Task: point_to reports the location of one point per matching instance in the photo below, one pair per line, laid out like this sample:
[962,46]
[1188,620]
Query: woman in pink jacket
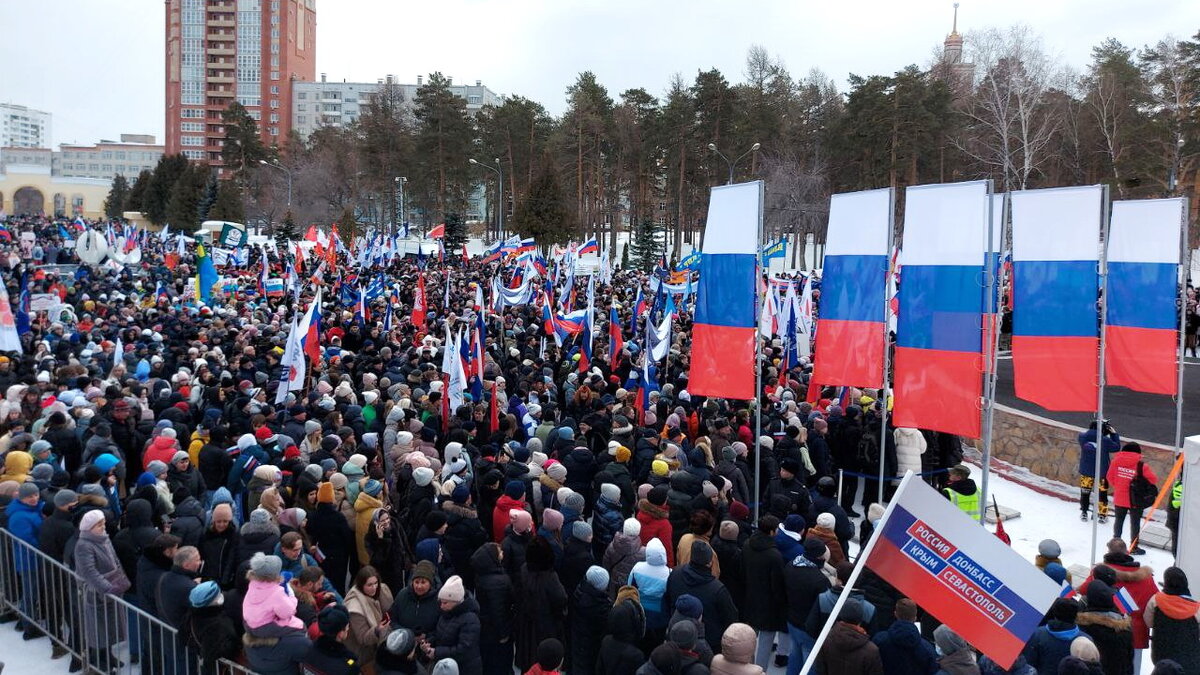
[269,609]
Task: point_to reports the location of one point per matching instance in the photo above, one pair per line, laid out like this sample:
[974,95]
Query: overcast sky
[97,65]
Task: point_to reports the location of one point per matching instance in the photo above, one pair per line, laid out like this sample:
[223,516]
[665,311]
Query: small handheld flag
[1125,602]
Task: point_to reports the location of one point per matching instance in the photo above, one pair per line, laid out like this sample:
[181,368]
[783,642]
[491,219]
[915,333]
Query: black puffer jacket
[495,595]
[719,610]
[619,654]
[219,551]
[464,535]
[188,523]
[588,620]
[457,637]
[416,613]
[766,594]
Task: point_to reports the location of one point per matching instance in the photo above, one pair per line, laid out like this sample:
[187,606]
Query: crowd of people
[579,519]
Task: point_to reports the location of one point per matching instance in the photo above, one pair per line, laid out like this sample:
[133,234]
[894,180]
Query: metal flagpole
[1105,219]
[848,587]
[1183,272]
[882,399]
[992,309]
[758,360]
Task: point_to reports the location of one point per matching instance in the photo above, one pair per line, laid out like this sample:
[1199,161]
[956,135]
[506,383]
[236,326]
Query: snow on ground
[1042,517]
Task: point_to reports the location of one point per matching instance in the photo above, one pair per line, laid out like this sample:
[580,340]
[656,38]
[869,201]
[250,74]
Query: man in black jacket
[329,655]
[175,586]
[56,531]
[765,608]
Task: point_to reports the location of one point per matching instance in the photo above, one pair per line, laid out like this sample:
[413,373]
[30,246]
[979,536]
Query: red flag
[494,411]
[418,311]
[437,232]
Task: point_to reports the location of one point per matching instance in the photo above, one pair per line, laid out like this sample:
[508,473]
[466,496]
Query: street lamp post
[289,177]
[400,214]
[499,193]
[1173,179]
[753,148]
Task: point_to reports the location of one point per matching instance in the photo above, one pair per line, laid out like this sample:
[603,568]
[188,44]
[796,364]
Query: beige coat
[365,614]
[737,652]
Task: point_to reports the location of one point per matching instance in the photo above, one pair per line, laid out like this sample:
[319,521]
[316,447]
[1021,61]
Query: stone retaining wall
[1050,449]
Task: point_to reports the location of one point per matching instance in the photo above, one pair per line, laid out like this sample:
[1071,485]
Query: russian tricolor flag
[1142,291]
[1056,334]
[850,331]
[1125,602]
[725,324]
[589,246]
[938,374]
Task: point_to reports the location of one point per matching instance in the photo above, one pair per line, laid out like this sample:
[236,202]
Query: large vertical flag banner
[938,373]
[960,572]
[850,339]
[991,320]
[1056,285]
[1142,313]
[723,334]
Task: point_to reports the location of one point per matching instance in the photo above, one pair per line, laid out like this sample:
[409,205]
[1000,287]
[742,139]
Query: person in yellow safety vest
[1173,513]
[962,491]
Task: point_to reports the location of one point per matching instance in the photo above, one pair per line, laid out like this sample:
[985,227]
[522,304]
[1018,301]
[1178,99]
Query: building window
[107,154]
[302,95]
[257,115]
[193,154]
[474,100]
[662,206]
[93,167]
[275,89]
[302,107]
[274,103]
[194,113]
[662,220]
[274,131]
[302,119]
[191,126]
[120,154]
[191,140]
[274,75]
[107,168]
[274,117]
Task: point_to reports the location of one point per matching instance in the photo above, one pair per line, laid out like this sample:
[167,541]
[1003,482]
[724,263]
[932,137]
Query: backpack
[868,450]
[1142,492]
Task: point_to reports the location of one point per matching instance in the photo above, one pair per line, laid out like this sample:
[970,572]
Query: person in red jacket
[162,447]
[513,498]
[1121,472]
[654,515]
[1120,570]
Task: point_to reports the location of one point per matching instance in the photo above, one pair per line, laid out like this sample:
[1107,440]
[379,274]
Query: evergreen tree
[210,196]
[444,140]
[644,247]
[158,192]
[456,232]
[183,207]
[228,204]
[286,231]
[136,197]
[243,147]
[347,226]
[118,194]
[543,213]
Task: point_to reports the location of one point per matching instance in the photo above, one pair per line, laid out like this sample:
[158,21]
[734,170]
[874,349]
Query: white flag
[292,372]
[10,341]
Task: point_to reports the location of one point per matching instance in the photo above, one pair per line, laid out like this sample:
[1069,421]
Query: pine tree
[445,137]
[136,196]
[210,196]
[158,192]
[228,204]
[286,231]
[183,207]
[118,194]
[644,247]
[543,213]
[347,226]
[243,148]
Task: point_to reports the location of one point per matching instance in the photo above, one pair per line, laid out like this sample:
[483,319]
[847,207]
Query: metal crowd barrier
[104,633]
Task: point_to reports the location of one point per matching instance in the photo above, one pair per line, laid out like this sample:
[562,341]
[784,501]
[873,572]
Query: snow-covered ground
[1042,517]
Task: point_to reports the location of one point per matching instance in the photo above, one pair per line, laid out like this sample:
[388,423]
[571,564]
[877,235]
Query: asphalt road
[1145,417]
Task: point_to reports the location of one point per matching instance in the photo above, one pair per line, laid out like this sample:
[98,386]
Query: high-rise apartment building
[221,51]
[22,127]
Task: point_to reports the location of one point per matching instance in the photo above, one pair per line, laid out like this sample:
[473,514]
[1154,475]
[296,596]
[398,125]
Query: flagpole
[758,364]
[882,399]
[992,309]
[848,587]
[1105,220]
[1183,261]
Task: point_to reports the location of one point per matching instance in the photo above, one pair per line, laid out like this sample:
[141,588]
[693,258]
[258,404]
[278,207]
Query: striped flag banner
[1056,332]
[1142,290]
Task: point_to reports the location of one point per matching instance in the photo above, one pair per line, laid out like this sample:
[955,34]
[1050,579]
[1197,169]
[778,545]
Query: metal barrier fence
[101,632]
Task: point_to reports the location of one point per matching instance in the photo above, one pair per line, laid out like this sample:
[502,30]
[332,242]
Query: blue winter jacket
[1087,452]
[1049,645]
[24,522]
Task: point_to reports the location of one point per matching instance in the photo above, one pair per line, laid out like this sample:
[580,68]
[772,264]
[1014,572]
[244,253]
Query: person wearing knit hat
[333,622]
[548,657]
[729,530]
[632,527]
[557,471]
[422,476]
[65,499]
[552,520]
[373,487]
[521,521]
[582,531]
[514,489]
[598,577]
[660,468]
[446,666]
[955,654]
[205,594]
[451,593]
[265,567]
[658,495]
[623,455]
[325,493]
[90,519]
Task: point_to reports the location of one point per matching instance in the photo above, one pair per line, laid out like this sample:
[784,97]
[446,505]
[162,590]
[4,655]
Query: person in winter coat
[962,491]
[188,521]
[654,515]
[329,654]
[700,528]
[696,579]
[577,557]
[517,536]
[824,529]
[737,652]
[1121,473]
[370,499]
[333,536]
[901,647]
[415,607]
[765,608]
[208,630]
[804,582]
[1049,552]
[367,602]
[457,634]
[1173,616]
[957,658]
[1131,575]
[541,602]
[625,551]
[650,579]
[218,546]
[607,519]
[97,565]
[397,655]
[1110,630]
[258,535]
[1051,643]
[183,476]
[729,558]
[848,650]
[910,445]
[513,498]
[619,652]
[824,500]
[465,533]
[497,598]
[24,516]
[823,607]
[587,619]
[1110,444]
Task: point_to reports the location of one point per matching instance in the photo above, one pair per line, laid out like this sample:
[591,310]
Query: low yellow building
[28,189]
